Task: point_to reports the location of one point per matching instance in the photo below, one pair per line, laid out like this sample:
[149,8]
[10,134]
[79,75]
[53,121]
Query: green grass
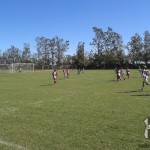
[79,113]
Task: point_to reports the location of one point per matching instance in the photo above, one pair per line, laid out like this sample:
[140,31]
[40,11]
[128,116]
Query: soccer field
[90,111]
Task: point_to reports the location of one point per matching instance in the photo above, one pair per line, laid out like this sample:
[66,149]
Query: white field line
[18,147]
[9,110]
[35,103]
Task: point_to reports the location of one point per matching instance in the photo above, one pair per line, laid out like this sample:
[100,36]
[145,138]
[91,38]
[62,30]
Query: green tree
[80,55]
[108,46]
[135,48]
[61,47]
[1,57]
[146,47]
[113,48]
[12,55]
[51,51]
[98,40]
[26,54]
[67,60]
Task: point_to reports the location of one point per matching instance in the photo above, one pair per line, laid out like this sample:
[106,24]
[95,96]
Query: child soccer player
[68,72]
[20,69]
[122,74]
[78,71]
[145,77]
[128,72]
[141,71]
[118,74]
[65,73]
[54,74]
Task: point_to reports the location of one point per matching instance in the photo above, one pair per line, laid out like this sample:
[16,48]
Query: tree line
[107,51]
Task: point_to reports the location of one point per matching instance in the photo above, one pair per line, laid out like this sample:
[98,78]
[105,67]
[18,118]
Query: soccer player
[141,71]
[54,75]
[78,71]
[122,73]
[82,70]
[20,69]
[145,77]
[118,74]
[68,72]
[128,72]
[65,73]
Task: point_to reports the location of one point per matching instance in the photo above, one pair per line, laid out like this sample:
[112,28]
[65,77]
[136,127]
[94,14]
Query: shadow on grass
[46,85]
[141,95]
[129,91]
[144,145]
[112,81]
[136,77]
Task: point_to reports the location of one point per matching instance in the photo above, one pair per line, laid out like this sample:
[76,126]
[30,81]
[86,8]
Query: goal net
[16,67]
[50,67]
[46,67]
[5,67]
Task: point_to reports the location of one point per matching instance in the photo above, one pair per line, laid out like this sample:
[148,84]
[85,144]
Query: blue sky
[21,21]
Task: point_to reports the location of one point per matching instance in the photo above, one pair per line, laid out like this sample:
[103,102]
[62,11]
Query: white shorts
[145,79]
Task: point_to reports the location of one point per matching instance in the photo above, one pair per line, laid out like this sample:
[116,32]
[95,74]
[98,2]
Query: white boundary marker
[18,147]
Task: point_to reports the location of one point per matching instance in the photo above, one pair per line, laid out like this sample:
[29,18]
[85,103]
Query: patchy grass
[90,111]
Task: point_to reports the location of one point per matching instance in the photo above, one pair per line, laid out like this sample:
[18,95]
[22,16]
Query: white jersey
[118,72]
[65,73]
[122,72]
[145,75]
[128,71]
[54,75]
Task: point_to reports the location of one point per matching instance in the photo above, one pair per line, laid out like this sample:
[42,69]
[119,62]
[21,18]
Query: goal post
[16,67]
[47,67]
[5,67]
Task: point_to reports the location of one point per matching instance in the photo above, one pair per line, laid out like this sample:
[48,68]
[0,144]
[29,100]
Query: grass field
[80,113]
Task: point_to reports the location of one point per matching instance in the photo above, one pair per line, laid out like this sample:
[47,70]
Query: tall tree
[135,48]
[26,54]
[109,47]
[98,40]
[67,60]
[98,43]
[61,47]
[52,50]
[113,47]
[12,55]
[43,49]
[146,47]
[80,55]
[1,57]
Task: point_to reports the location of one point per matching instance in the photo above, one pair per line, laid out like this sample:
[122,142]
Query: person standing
[54,75]
[118,74]
[145,77]
[128,72]
[65,73]
[122,74]
[68,72]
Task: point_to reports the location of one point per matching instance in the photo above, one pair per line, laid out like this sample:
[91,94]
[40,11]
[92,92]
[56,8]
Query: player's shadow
[141,95]
[136,77]
[144,146]
[46,84]
[129,91]
[112,80]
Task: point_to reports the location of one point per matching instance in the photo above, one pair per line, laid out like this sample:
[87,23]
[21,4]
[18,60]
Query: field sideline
[90,111]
